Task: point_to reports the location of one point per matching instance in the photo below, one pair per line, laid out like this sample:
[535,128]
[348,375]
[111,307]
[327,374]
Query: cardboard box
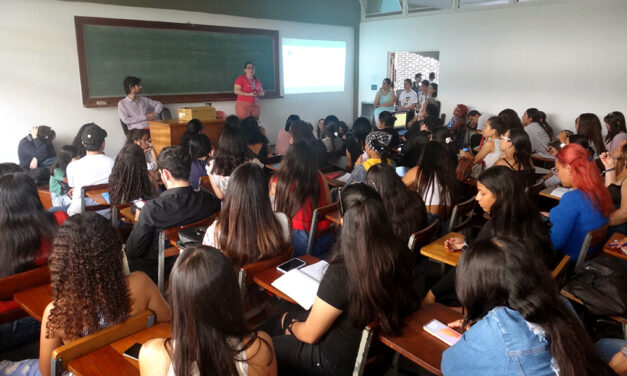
[200,113]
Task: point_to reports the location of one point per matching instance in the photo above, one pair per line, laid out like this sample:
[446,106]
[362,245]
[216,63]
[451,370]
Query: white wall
[40,84]
[564,58]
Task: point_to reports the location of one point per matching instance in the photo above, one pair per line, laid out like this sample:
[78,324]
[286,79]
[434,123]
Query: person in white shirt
[135,111]
[432,77]
[424,93]
[93,168]
[407,99]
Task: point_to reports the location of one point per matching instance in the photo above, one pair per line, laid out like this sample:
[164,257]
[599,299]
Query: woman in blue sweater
[586,208]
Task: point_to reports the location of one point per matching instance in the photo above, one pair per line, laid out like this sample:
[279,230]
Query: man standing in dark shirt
[178,205]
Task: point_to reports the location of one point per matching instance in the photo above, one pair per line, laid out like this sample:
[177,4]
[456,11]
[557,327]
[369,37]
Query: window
[479,3]
[407,64]
[382,7]
[428,5]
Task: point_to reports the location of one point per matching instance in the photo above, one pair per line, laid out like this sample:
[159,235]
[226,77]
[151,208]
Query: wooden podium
[168,132]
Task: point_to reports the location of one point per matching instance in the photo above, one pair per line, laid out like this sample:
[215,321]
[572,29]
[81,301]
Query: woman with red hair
[583,209]
[457,124]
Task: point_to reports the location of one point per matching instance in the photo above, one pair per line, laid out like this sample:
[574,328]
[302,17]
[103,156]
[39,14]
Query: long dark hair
[290,119]
[194,126]
[499,273]
[405,207]
[231,152]
[199,146]
[616,121]
[65,156]
[78,140]
[510,118]
[250,127]
[387,119]
[87,274]
[203,281]
[540,117]
[297,180]
[249,231]
[379,277]
[514,215]
[129,176]
[302,131]
[435,163]
[24,224]
[331,129]
[590,126]
[522,153]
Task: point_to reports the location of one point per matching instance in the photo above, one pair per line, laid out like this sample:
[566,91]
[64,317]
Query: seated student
[8,168]
[586,208]
[78,140]
[386,124]
[511,119]
[255,137]
[615,175]
[90,288]
[36,150]
[377,148]
[199,148]
[434,179]
[516,149]
[512,214]
[58,187]
[356,141]
[516,322]
[457,124]
[302,131]
[331,136]
[587,125]
[231,152]
[246,230]
[406,209]
[178,205]
[539,131]
[194,127]
[342,130]
[141,138]
[93,168]
[369,277]
[133,110]
[616,131]
[231,121]
[283,138]
[297,189]
[27,231]
[490,151]
[129,179]
[428,120]
[207,344]
[614,352]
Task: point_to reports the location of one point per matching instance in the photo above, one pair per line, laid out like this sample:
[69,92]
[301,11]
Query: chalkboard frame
[88,101]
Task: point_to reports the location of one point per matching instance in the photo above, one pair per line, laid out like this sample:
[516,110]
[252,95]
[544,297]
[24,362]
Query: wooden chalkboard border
[80,22]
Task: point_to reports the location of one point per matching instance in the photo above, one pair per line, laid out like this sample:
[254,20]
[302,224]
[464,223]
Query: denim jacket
[501,343]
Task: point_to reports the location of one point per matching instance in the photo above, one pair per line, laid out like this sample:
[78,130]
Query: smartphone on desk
[294,263]
[442,332]
[133,351]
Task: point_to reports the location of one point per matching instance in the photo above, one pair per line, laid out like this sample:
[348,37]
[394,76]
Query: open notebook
[302,284]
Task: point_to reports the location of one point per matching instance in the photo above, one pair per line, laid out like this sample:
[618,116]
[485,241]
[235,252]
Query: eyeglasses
[554,170]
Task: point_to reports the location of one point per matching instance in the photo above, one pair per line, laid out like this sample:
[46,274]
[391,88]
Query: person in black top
[303,131]
[36,150]
[178,205]
[325,340]
[386,124]
[255,137]
[356,140]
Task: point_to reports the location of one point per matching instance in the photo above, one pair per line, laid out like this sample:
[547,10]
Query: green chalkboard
[176,62]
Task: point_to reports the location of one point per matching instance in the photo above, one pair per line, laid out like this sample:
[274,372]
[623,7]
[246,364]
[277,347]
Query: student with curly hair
[231,152]
[219,343]
[141,138]
[516,323]
[90,289]
[129,178]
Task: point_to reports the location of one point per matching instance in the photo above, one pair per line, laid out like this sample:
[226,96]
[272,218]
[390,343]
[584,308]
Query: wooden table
[616,238]
[96,195]
[265,278]
[168,132]
[416,344]
[109,360]
[334,217]
[127,215]
[437,251]
[34,301]
[548,192]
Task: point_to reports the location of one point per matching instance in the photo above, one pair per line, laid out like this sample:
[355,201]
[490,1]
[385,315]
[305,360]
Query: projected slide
[313,66]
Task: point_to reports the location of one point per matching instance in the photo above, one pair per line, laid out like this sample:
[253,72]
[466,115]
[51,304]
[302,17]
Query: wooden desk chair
[461,215]
[19,282]
[172,234]
[364,360]
[248,272]
[115,213]
[423,237]
[88,188]
[204,183]
[62,356]
[317,216]
[44,196]
[560,268]
[594,238]
[533,191]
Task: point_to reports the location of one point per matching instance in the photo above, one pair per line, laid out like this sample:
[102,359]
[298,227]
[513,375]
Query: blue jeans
[18,333]
[608,347]
[321,246]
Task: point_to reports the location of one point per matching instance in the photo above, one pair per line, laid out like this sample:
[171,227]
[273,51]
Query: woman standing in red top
[248,89]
